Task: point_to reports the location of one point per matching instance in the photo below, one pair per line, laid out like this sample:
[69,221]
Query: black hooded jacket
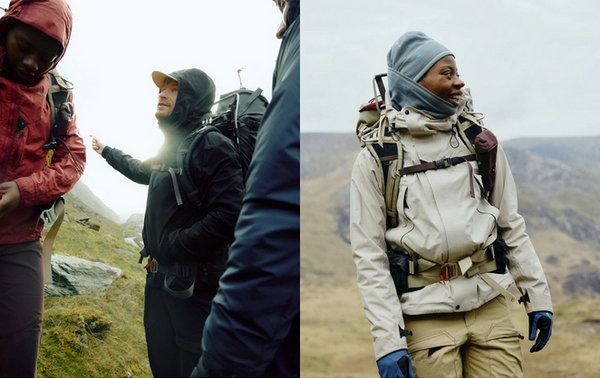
[181,233]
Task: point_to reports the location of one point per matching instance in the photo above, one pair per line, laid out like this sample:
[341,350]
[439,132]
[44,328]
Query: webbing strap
[176,186]
[389,159]
[496,286]
[52,218]
[438,164]
[181,294]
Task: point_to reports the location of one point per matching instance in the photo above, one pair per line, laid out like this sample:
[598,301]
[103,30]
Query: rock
[85,222]
[73,276]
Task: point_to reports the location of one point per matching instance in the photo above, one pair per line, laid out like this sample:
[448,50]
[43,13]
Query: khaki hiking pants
[477,343]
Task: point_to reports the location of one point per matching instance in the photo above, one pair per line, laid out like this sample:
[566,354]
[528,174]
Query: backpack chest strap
[438,164]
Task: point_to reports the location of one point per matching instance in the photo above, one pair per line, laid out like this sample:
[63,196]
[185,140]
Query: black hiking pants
[174,327]
[21,307]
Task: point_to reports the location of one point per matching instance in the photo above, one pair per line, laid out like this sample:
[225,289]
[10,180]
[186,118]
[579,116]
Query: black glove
[542,321]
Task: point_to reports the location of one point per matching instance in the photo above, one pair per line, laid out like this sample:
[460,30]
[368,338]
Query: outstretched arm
[134,169]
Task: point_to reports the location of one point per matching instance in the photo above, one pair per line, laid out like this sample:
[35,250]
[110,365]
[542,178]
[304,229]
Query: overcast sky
[116,45]
[532,66]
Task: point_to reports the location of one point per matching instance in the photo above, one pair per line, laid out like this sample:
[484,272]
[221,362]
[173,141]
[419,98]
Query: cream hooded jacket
[439,220]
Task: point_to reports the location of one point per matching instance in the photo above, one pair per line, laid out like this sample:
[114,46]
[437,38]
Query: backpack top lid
[246,101]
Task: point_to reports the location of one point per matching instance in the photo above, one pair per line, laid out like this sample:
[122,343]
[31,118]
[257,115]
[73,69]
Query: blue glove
[395,364]
[542,321]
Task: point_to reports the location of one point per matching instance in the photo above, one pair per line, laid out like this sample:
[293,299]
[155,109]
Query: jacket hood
[195,97]
[52,17]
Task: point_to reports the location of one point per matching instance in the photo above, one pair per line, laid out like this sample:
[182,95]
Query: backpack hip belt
[427,272]
[419,272]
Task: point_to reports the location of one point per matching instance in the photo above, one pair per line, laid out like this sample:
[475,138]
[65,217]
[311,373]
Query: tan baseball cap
[159,78]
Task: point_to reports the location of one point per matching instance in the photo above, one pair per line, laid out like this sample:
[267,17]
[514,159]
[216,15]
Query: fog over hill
[94,204]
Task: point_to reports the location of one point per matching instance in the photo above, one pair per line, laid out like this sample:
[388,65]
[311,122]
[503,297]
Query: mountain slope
[99,334]
[92,202]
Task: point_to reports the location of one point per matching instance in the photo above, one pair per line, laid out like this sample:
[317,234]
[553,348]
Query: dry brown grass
[335,338]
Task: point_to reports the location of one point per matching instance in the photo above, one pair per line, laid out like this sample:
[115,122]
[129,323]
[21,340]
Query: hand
[395,364]
[10,197]
[542,321]
[97,145]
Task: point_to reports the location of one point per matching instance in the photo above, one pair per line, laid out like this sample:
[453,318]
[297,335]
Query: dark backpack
[238,117]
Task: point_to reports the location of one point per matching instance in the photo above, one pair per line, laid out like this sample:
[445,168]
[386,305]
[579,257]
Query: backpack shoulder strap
[468,128]
[389,158]
[483,143]
[58,93]
[184,167]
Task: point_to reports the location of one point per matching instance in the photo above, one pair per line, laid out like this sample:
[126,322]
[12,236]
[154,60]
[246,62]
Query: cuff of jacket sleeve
[26,190]
[105,151]
[538,303]
[383,347]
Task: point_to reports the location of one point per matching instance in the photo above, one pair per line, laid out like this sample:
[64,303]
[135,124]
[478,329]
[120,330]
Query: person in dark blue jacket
[254,325]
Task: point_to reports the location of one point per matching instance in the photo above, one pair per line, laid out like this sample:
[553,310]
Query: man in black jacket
[254,328]
[183,242]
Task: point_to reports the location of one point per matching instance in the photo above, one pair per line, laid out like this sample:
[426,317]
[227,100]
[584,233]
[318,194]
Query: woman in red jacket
[33,38]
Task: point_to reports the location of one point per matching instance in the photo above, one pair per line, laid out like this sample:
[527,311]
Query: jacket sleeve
[57,179]
[218,176]
[255,313]
[136,170]
[367,237]
[523,262]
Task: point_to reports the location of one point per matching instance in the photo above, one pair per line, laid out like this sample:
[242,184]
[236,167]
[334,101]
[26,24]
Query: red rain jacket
[25,122]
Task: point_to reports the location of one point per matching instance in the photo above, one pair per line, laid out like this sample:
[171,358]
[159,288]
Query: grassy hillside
[335,339]
[563,225]
[99,334]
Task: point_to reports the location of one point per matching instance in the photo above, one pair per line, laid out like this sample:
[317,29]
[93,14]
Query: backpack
[238,116]
[376,134]
[62,112]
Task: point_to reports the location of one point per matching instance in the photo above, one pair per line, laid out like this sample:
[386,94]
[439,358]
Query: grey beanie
[409,59]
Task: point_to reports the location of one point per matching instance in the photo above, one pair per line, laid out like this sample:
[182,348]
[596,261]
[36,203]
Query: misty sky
[116,45]
[532,66]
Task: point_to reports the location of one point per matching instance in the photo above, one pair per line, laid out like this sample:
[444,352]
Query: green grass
[99,334]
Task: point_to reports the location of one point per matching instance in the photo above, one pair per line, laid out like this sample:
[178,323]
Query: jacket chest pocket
[29,143]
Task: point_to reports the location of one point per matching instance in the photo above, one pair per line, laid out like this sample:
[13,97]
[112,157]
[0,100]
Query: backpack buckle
[442,163]
[446,272]
[152,266]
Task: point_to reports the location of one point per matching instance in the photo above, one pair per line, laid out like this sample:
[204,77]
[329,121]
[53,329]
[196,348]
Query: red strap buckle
[446,272]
